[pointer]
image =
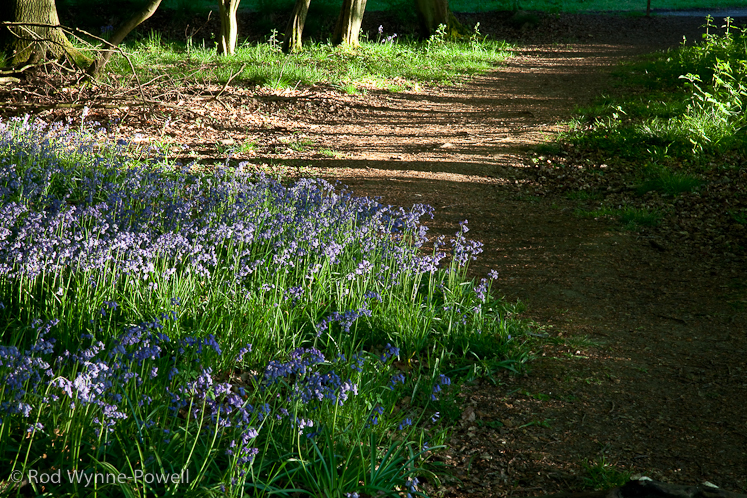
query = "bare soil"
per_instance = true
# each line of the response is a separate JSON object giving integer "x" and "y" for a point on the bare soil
{"x": 645, "y": 359}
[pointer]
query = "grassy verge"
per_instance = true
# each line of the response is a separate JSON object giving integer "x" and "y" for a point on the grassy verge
{"x": 671, "y": 151}
{"x": 690, "y": 110}
{"x": 379, "y": 63}
{"x": 206, "y": 332}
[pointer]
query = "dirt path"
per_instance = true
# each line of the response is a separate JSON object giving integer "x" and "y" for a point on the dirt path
{"x": 659, "y": 386}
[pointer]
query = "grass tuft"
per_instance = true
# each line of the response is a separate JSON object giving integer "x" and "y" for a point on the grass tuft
{"x": 631, "y": 217}
{"x": 602, "y": 475}
{"x": 668, "y": 182}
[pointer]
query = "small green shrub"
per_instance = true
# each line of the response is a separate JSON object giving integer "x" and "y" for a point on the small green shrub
{"x": 602, "y": 475}
{"x": 631, "y": 217}
{"x": 668, "y": 182}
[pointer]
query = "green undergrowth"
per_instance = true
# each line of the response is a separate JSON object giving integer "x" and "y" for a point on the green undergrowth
{"x": 389, "y": 62}
{"x": 678, "y": 128}
{"x": 631, "y": 217}
{"x": 684, "y": 108}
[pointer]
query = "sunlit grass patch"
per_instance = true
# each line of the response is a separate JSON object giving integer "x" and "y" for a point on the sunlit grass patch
{"x": 372, "y": 64}
{"x": 693, "y": 107}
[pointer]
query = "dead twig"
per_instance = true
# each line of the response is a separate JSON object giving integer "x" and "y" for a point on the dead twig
{"x": 17, "y": 71}
{"x": 225, "y": 87}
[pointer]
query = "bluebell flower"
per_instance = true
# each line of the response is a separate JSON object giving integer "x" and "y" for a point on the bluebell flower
{"x": 397, "y": 378}
{"x": 242, "y": 352}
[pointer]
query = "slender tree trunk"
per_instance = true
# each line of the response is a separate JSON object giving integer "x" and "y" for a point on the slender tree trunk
{"x": 431, "y": 14}
{"x": 648, "y": 8}
{"x": 294, "y": 29}
{"x": 121, "y": 33}
{"x": 349, "y": 22}
{"x": 229, "y": 28}
{"x": 32, "y": 44}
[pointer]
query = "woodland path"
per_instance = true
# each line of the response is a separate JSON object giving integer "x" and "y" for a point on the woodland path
{"x": 659, "y": 386}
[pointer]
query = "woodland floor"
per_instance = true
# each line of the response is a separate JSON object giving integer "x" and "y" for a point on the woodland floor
{"x": 646, "y": 365}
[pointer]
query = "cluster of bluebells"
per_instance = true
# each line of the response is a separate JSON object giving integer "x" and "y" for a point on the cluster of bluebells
{"x": 67, "y": 206}
{"x": 103, "y": 373}
{"x": 438, "y": 386}
{"x": 21, "y": 371}
{"x": 308, "y": 382}
{"x": 389, "y": 352}
{"x": 464, "y": 249}
{"x": 345, "y": 320}
{"x": 385, "y": 39}
{"x": 481, "y": 289}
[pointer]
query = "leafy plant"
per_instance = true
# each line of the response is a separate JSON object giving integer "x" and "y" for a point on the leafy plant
{"x": 668, "y": 182}
{"x": 602, "y": 475}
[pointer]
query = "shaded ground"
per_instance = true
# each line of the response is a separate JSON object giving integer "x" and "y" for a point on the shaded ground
{"x": 646, "y": 366}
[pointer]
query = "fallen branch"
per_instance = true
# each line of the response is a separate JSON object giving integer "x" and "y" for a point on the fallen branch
{"x": 17, "y": 71}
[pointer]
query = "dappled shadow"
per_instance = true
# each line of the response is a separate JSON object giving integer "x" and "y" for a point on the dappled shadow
{"x": 474, "y": 129}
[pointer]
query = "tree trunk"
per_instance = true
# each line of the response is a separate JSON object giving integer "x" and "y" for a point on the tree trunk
{"x": 432, "y": 14}
{"x": 294, "y": 29}
{"x": 119, "y": 35}
{"x": 229, "y": 28}
{"x": 32, "y": 44}
{"x": 349, "y": 23}
{"x": 648, "y": 8}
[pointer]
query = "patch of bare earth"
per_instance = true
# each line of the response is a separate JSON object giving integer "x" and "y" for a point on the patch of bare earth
{"x": 646, "y": 364}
